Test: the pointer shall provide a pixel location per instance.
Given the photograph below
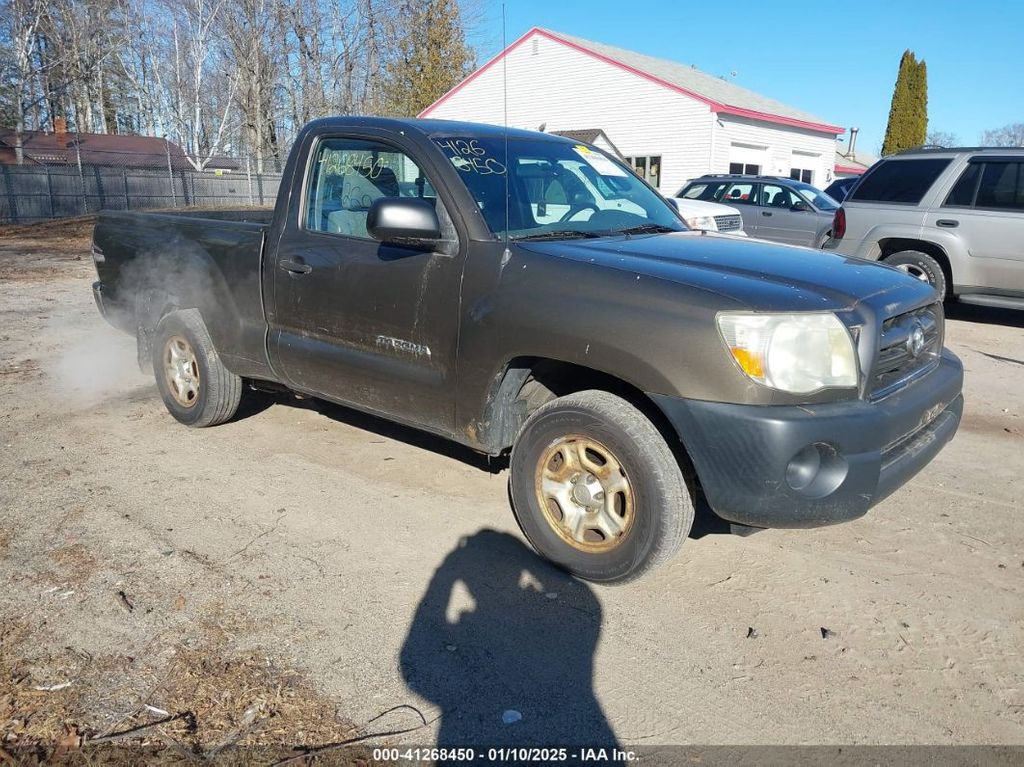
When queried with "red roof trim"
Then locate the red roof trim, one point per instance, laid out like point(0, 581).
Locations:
point(713, 105)
point(780, 120)
point(853, 170)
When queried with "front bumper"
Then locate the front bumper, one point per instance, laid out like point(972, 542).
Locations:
point(813, 465)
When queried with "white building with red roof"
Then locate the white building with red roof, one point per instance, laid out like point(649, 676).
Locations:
point(670, 120)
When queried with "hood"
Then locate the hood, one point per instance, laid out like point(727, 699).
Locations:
point(762, 276)
point(690, 207)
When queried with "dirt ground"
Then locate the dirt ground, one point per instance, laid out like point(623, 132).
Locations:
point(289, 577)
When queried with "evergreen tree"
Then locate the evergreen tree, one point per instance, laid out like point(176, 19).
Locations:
point(908, 114)
point(920, 104)
point(431, 56)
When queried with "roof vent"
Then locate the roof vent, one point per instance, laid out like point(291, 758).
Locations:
point(535, 48)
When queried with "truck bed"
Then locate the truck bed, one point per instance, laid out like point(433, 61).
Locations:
point(211, 259)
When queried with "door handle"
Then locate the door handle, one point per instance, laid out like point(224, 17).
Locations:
point(766, 212)
point(295, 267)
point(947, 222)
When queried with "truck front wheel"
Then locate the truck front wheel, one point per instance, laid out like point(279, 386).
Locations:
point(195, 386)
point(596, 489)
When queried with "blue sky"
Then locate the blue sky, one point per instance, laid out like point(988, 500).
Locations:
point(837, 59)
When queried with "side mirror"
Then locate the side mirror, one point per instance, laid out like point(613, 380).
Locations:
point(673, 202)
point(800, 207)
point(403, 221)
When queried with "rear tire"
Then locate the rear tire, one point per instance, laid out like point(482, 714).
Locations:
point(921, 266)
point(194, 384)
point(596, 488)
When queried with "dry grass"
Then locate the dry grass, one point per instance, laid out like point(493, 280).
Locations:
point(201, 700)
point(47, 250)
point(48, 232)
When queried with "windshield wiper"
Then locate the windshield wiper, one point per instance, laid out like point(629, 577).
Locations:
point(647, 229)
point(559, 234)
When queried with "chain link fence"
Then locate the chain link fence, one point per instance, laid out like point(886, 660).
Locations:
point(78, 180)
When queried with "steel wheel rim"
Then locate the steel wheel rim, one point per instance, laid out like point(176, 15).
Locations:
point(915, 271)
point(584, 493)
point(181, 370)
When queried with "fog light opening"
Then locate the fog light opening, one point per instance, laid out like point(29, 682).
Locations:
point(817, 470)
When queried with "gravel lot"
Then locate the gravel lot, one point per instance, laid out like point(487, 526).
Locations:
point(359, 566)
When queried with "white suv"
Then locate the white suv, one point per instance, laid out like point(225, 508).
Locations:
point(951, 217)
point(709, 216)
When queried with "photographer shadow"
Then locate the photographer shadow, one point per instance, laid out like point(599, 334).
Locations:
point(503, 644)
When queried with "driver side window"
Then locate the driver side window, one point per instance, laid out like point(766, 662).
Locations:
point(348, 175)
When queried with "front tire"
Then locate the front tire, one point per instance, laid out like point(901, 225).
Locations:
point(921, 266)
point(194, 384)
point(596, 488)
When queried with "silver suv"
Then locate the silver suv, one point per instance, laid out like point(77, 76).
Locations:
point(951, 217)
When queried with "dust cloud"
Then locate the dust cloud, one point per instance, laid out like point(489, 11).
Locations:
point(95, 363)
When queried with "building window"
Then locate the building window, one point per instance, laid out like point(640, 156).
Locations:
point(801, 174)
point(648, 168)
point(744, 169)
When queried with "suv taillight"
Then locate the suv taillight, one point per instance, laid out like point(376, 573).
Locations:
point(839, 224)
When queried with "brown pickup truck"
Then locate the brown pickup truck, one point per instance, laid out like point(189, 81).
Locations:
point(524, 294)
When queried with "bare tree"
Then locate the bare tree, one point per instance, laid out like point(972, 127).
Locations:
point(1008, 135)
point(213, 74)
point(942, 138)
point(23, 19)
point(250, 30)
point(137, 59)
point(200, 96)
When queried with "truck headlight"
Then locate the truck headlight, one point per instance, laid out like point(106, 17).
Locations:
point(798, 353)
point(701, 222)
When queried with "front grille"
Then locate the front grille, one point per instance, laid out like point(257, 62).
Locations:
point(728, 223)
point(909, 346)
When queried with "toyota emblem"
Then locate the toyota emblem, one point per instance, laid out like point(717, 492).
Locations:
point(915, 344)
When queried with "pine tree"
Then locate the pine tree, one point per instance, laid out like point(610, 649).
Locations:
point(920, 104)
point(431, 57)
point(908, 113)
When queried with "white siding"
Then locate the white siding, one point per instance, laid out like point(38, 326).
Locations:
point(552, 84)
point(785, 148)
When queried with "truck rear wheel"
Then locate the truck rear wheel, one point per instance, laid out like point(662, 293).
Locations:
point(596, 489)
point(922, 266)
point(195, 386)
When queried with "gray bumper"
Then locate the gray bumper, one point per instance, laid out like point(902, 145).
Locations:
point(816, 465)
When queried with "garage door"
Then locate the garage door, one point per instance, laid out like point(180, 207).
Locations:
point(749, 159)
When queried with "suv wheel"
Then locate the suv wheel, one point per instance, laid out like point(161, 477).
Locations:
point(922, 266)
point(597, 490)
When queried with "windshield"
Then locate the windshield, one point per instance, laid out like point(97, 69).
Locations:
point(555, 189)
point(816, 197)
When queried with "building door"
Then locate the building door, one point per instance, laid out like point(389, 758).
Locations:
point(747, 159)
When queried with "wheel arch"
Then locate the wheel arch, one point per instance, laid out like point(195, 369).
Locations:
point(889, 246)
point(525, 383)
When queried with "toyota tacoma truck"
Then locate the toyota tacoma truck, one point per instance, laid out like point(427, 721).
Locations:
point(529, 296)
